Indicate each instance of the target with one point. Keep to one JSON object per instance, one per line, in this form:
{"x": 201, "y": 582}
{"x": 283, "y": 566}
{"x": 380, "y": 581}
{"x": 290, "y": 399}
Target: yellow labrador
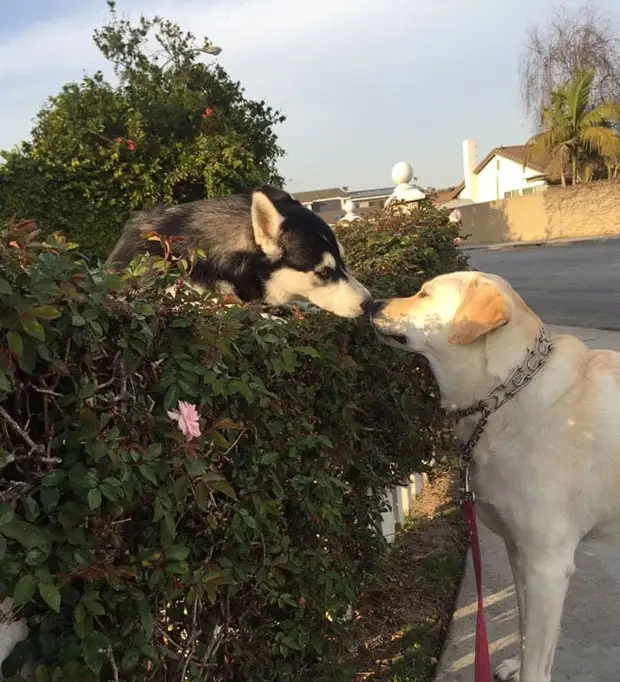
{"x": 546, "y": 462}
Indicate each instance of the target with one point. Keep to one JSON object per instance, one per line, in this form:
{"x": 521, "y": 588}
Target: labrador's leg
{"x": 508, "y": 670}
{"x": 546, "y": 574}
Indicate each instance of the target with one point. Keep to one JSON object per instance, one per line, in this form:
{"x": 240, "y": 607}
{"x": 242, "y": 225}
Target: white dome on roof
{"x": 402, "y": 173}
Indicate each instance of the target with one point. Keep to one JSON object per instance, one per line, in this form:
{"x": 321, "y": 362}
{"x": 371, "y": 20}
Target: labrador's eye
{"x": 423, "y": 294}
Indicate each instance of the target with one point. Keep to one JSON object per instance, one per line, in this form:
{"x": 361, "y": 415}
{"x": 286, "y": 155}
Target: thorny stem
{"x": 191, "y": 644}
{"x": 20, "y": 432}
{"x": 113, "y": 664}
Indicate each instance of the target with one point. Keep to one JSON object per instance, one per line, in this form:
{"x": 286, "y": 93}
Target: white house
{"x": 502, "y": 173}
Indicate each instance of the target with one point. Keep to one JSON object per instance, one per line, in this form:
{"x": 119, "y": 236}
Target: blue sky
{"x": 364, "y": 83}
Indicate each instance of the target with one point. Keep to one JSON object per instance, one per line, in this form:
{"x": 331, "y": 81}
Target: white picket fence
{"x": 401, "y": 499}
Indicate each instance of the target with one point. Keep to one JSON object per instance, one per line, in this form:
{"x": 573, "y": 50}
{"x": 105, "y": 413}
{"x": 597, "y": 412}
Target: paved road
{"x": 570, "y": 284}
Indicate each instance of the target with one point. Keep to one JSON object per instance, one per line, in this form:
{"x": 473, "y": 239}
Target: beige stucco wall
{"x": 582, "y": 211}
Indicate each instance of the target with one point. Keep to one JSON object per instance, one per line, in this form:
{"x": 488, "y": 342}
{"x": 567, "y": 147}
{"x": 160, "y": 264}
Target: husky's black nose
{"x": 373, "y": 307}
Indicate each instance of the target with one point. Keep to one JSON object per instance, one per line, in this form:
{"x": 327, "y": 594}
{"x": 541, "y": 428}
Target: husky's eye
{"x": 324, "y": 273}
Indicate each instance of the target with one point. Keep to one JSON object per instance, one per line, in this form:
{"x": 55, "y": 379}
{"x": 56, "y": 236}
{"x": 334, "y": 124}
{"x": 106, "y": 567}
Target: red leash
{"x": 482, "y": 661}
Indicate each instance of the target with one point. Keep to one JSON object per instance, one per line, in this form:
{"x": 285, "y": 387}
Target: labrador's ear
{"x": 483, "y": 309}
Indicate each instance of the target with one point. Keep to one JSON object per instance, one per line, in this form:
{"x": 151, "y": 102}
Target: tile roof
{"x": 371, "y": 193}
{"x": 517, "y": 153}
{"x": 442, "y": 195}
{"x": 320, "y": 194}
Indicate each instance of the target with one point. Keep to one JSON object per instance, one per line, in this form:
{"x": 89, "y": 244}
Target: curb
{"x": 505, "y": 246}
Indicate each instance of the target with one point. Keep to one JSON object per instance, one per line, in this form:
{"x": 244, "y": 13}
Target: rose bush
{"x": 191, "y": 490}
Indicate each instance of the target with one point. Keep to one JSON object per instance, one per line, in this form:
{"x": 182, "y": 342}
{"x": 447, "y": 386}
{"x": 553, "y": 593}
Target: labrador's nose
{"x": 374, "y": 307}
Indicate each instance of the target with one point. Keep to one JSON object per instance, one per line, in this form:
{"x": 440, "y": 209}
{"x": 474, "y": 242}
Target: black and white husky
{"x": 266, "y": 246}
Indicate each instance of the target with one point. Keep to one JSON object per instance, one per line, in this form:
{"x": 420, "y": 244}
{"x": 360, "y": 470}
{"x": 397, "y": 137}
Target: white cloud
{"x": 363, "y": 83}
{"x": 295, "y": 55}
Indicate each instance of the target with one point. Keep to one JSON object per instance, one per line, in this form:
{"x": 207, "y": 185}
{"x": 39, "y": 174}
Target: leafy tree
{"x": 171, "y": 129}
{"x": 570, "y": 41}
{"x": 577, "y": 133}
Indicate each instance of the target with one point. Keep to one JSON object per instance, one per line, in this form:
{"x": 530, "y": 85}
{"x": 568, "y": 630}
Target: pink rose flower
{"x": 187, "y": 419}
{"x": 457, "y": 241}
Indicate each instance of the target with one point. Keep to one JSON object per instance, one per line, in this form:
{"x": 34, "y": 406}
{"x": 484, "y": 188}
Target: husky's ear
{"x": 483, "y": 309}
{"x": 278, "y": 196}
{"x": 267, "y": 224}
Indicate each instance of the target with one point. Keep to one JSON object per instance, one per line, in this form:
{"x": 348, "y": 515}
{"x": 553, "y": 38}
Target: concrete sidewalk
{"x": 589, "y": 647}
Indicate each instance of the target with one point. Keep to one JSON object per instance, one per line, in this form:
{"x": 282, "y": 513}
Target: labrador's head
{"x": 452, "y": 318}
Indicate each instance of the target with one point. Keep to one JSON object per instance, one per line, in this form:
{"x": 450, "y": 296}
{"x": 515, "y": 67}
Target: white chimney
{"x": 469, "y": 164}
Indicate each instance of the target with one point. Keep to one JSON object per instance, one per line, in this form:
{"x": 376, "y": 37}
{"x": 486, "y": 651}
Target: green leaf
{"x": 49, "y": 499}
{"x": 249, "y": 521}
{"x": 94, "y": 650}
{"x": 79, "y": 613}
{"x": 25, "y": 533}
{"x": 130, "y": 660}
{"x": 195, "y": 466}
{"x": 177, "y": 553}
{"x": 16, "y": 345}
{"x": 95, "y": 607}
{"x": 41, "y": 674}
{"x": 5, "y": 287}
{"x": 45, "y": 312}
{"x": 146, "y": 617}
{"x": 148, "y": 473}
{"x": 43, "y": 575}
{"x": 54, "y": 478}
{"x": 224, "y": 487}
{"x": 110, "y": 492}
{"x": 202, "y": 496}
{"x": 177, "y": 568}
{"x": 154, "y": 450}
{"x": 5, "y": 384}
{"x": 31, "y": 508}
{"x": 308, "y": 350}
{"x": 36, "y": 556}
{"x": 94, "y": 499}
{"x": 32, "y": 327}
{"x": 24, "y": 590}
{"x": 78, "y": 320}
{"x": 51, "y": 595}
{"x": 84, "y": 626}
{"x": 28, "y": 358}
{"x": 44, "y": 353}
{"x": 7, "y": 513}
{"x": 168, "y": 529}
{"x": 3, "y": 547}
{"x": 156, "y": 577}
{"x": 171, "y": 399}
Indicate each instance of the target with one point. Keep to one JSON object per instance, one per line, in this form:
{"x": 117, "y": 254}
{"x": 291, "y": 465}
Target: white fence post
{"x": 400, "y": 499}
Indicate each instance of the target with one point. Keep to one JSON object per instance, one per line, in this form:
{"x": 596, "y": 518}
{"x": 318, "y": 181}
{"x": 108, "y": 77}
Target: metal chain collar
{"x": 520, "y": 377}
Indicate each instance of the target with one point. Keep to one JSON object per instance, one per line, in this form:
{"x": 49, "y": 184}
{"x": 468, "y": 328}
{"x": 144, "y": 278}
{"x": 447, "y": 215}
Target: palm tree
{"x": 577, "y": 133}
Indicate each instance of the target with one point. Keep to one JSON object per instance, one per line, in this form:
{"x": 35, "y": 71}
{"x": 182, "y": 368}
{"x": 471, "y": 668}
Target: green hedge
{"x": 394, "y": 252}
{"x": 135, "y": 554}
